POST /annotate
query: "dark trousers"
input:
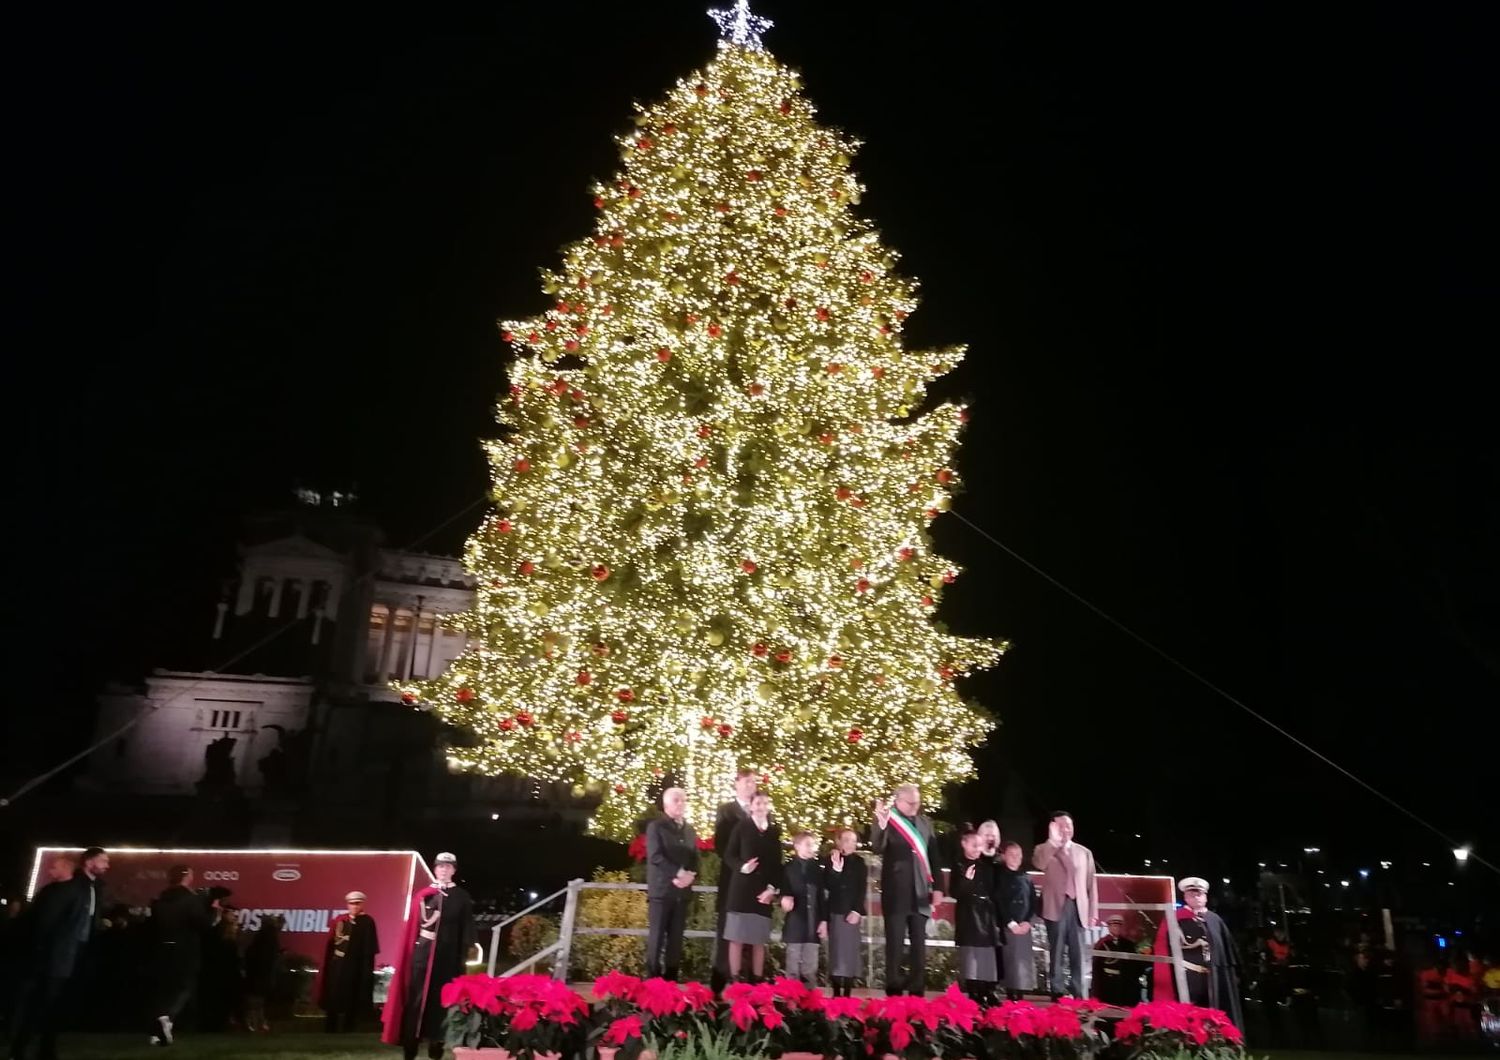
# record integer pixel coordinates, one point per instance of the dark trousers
(666, 917)
(37, 1005)
(175, 981)
(897, 928)
(1065, 935)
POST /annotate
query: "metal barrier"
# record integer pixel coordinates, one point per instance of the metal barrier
(562, 949)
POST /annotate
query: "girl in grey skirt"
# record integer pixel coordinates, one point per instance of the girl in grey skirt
(1015, 900)
(973, 887)
(845, 882)
(754, 856)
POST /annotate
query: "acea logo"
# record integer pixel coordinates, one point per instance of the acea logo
(286, 874)
(216, 875)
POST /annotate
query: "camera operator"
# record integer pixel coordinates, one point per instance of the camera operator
(180, 917)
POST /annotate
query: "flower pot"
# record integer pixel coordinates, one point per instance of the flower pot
(489, 1052)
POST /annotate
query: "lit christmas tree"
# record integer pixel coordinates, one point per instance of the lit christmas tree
(710, 543)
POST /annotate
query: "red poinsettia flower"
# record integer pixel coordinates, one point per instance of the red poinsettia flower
(616, 984)
(637, 849)
(622, 1030)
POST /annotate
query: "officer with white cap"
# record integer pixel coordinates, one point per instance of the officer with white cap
(440, 933)
(1117, 980)
(1210, 959)
(346, 982)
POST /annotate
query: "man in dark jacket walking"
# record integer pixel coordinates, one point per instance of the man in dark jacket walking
(62, 920)
(671, 868)
(179, 920)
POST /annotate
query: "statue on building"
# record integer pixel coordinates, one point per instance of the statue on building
(218, 766)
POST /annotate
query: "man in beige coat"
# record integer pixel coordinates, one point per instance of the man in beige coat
(1070, 900)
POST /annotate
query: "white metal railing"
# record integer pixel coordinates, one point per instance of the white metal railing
(568, 929)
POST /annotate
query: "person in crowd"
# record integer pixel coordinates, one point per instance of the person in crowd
(753, 858)
(1462, 984)
(263, 959)
(1016, 910)
(909, 885)
(61, 921)
(1208, 952)
(729, 816)
(179, 919)
(671, 868)
(1070, 901)
(345, 987)
(845, 884)
(804, 923)
(973, 882)
(221, 985)
(61, 868)
(435, 950)
(990, 840)
(1116, 980)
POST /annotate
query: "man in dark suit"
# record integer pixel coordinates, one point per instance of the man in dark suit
(730, 814)
(62, 920)
(910, 886)
(179, 920)
(671, 868)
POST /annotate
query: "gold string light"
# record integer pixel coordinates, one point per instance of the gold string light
(709, 546)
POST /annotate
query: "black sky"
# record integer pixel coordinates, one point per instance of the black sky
(1227, 274)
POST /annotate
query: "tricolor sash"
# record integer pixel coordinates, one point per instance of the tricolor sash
(913, 837)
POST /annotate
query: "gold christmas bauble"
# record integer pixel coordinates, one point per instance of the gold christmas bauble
(716, 637)
(765, 691)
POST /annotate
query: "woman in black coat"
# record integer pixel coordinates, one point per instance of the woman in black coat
(754, 856)
(1015, 911)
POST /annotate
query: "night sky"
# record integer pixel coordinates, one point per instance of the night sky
(1227, 276)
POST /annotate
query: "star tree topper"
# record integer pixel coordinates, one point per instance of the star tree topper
(738, 26)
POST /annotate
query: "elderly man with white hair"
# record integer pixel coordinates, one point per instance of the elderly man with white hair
(671, 868)
(910, 885)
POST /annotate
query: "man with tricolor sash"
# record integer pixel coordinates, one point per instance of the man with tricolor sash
(910, 885)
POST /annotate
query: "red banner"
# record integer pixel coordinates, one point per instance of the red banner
(305, 887)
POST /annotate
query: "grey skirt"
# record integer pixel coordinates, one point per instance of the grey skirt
(751, 928)
(977, 962)
(843, 948)
(1020, 962)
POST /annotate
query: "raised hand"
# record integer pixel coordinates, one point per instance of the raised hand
(882, 812)
(750, 866)
(787, 903)
(1054, 834)
(836, 861)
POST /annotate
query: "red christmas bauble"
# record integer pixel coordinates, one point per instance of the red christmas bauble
(878, 372)
(759, 650)
(843, 493)
(732, 278)
(524, 717)
(645, 143)
(599, 572)
(600, 649)
(835, 368)
(780, 211)
(822, 312)
(584, 677)
(931, 513)
(551, 325)
(507, 724)
(748, 566)
(534, 338)
(663, 355)
(908, 554)
(866, 276)
(945, 476)
(598, 202)
(835, 662)
(705, 431)
(786, 106)
(945, 672)
(963, 415)
(563, 307)
(464, 695)
(408, 698)
(726, 729)
(701, 462)
(668, 129)
(926, 601)
(570, 345)
(581, 330)
(880, 679)
(625, 695)
(507, 336)
(526, 567)
(757, 389)
(714, 331)
(863, 585)
(855, 735)
(701, 90)
(949, 577)
(783, 656)
(522, 466)
(826, 438)
(621, 789)
(619, 717)
(581, 422)
(753, 175)
(706, 722)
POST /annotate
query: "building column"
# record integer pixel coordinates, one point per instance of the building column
(304, 597)
(383, 671)
(275, 608)
(432, 646)
(223, 609)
